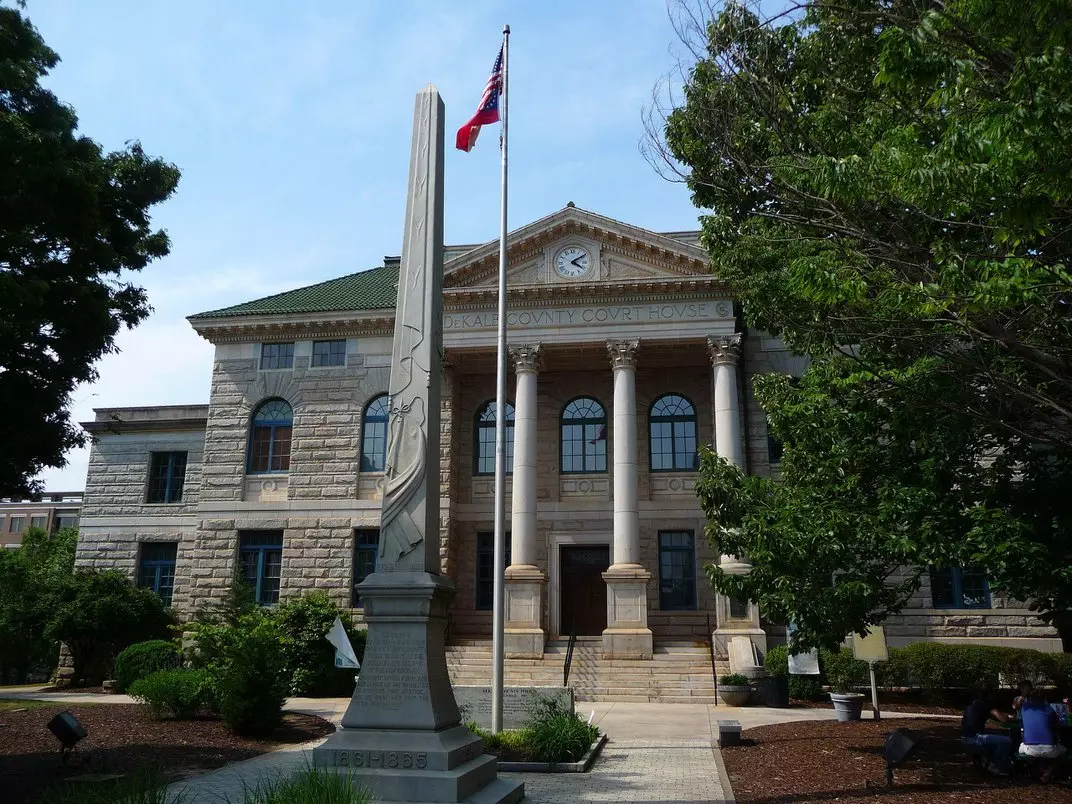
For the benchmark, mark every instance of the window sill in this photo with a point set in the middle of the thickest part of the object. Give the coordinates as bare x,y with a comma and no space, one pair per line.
163,504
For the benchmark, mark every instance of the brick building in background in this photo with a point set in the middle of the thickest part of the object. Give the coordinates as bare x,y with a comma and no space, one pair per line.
49,511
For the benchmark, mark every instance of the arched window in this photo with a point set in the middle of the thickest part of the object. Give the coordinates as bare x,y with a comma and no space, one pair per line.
672,431
584,437
484,439
269,442
374,434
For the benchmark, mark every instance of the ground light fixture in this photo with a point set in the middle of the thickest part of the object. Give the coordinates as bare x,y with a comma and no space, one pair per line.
900,745
68,731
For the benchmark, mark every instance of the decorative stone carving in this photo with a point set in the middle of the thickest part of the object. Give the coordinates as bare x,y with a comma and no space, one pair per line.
623,353
724,349
526,358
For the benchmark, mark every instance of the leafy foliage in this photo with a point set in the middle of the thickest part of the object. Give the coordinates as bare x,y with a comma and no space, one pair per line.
74,222
30,579
733,680
308,658
801,688
249,676
176,693
143,658
554,734
309,786
97,614
889,190
843,671
147,785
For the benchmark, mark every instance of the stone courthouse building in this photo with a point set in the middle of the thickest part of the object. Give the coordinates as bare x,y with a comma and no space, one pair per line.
626,355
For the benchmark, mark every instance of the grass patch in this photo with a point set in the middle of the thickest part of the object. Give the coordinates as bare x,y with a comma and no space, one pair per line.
7,704
310,786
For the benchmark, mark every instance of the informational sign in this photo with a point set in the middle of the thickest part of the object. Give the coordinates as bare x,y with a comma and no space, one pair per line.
802,664
344,651
871,648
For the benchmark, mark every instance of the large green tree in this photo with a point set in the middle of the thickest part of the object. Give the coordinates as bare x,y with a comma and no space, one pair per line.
74,222
889,187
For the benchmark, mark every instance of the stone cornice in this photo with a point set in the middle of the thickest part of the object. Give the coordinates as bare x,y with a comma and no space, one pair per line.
119,427
624,292
238,330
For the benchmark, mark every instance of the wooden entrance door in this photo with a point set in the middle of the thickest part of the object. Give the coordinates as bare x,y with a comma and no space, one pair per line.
583,590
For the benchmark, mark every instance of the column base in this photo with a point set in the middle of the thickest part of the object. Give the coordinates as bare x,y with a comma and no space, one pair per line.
401,736
524,637
627,635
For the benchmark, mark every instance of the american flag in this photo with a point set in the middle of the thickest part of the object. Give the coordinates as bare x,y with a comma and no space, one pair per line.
487,111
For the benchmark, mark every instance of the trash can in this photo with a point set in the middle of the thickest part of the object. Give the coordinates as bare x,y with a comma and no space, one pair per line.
776,690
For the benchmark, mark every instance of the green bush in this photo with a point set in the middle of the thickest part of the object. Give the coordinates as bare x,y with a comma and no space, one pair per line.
143,658
842,671
801,688
309,786
249,677
554,734
308,658
733,680
177,694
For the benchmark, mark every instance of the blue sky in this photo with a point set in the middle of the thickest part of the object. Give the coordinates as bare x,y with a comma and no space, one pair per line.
291,125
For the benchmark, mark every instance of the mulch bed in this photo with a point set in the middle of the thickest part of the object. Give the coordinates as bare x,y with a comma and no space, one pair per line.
123,738
830,761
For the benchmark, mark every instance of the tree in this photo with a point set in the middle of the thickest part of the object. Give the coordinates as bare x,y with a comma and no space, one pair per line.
888,186
29,579
73,223
96,614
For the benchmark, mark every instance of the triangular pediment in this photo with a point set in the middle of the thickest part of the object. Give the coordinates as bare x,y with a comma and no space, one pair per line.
609,250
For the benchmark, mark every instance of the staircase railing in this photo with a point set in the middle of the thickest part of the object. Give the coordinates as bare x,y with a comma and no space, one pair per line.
711,652
569,653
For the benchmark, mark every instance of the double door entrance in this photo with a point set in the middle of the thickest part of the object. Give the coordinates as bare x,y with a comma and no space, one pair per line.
583,592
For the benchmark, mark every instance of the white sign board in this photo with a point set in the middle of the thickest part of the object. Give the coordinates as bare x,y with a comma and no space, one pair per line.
344,651
872,647
804,664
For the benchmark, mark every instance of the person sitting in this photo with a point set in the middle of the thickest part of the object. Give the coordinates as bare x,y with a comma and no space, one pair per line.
1026,688
1041,727
996,748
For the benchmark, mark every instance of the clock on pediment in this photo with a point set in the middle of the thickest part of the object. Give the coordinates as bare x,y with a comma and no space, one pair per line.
572,262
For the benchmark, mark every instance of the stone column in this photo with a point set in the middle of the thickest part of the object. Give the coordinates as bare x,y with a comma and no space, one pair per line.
741,620
627,635
525,582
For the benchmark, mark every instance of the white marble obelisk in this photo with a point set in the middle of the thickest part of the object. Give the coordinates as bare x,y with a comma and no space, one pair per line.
401,736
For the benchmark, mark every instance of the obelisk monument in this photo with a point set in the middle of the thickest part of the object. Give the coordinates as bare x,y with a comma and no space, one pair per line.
401,736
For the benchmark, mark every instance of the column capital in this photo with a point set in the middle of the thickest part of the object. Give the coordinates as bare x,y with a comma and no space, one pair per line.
526,357
724,349
623,353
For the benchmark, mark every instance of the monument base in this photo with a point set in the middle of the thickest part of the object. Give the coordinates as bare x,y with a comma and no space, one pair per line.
627,635
401,736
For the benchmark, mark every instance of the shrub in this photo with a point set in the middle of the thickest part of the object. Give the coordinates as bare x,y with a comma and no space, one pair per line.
734,680
843,671
143,658
249,678
801,688
554,734
146,785
177,694
309,786
308,658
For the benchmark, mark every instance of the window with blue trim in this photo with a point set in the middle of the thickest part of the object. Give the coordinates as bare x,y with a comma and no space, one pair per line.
672,431
485,569
261,556
374,434
677,570
277,355
167,474
956,588
156,568
269,441
584,437
329,353
484,443
366,549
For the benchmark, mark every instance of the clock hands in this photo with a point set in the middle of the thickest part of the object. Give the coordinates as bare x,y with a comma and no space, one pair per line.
576,261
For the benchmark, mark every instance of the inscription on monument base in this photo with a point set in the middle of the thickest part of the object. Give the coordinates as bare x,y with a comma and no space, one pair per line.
397,672
475,703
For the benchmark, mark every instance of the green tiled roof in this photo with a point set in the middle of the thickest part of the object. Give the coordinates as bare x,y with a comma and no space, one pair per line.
376,289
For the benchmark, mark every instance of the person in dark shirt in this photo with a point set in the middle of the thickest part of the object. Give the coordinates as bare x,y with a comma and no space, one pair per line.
996,747
1040,733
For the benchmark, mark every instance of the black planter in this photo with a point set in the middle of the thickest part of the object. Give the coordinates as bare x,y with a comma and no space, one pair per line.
776,691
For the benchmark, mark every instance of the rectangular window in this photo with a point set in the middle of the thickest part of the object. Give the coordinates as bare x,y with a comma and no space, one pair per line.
261,553
677,570
167,474
956,588
17,524
66,519
329,353
277,355
584,448
39,522
156,570
485,563
366,549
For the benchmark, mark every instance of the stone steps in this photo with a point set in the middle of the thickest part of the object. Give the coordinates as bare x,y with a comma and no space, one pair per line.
675,673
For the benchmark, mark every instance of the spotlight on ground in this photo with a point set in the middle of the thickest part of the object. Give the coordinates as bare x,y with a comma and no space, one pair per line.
900,745
68,731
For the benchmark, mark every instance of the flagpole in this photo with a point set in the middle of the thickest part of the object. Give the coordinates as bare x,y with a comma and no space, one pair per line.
498,627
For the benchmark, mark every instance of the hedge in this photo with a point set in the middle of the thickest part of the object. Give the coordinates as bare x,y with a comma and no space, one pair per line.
143,658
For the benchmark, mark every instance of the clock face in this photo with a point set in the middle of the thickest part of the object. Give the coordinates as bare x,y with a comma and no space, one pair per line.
572,262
